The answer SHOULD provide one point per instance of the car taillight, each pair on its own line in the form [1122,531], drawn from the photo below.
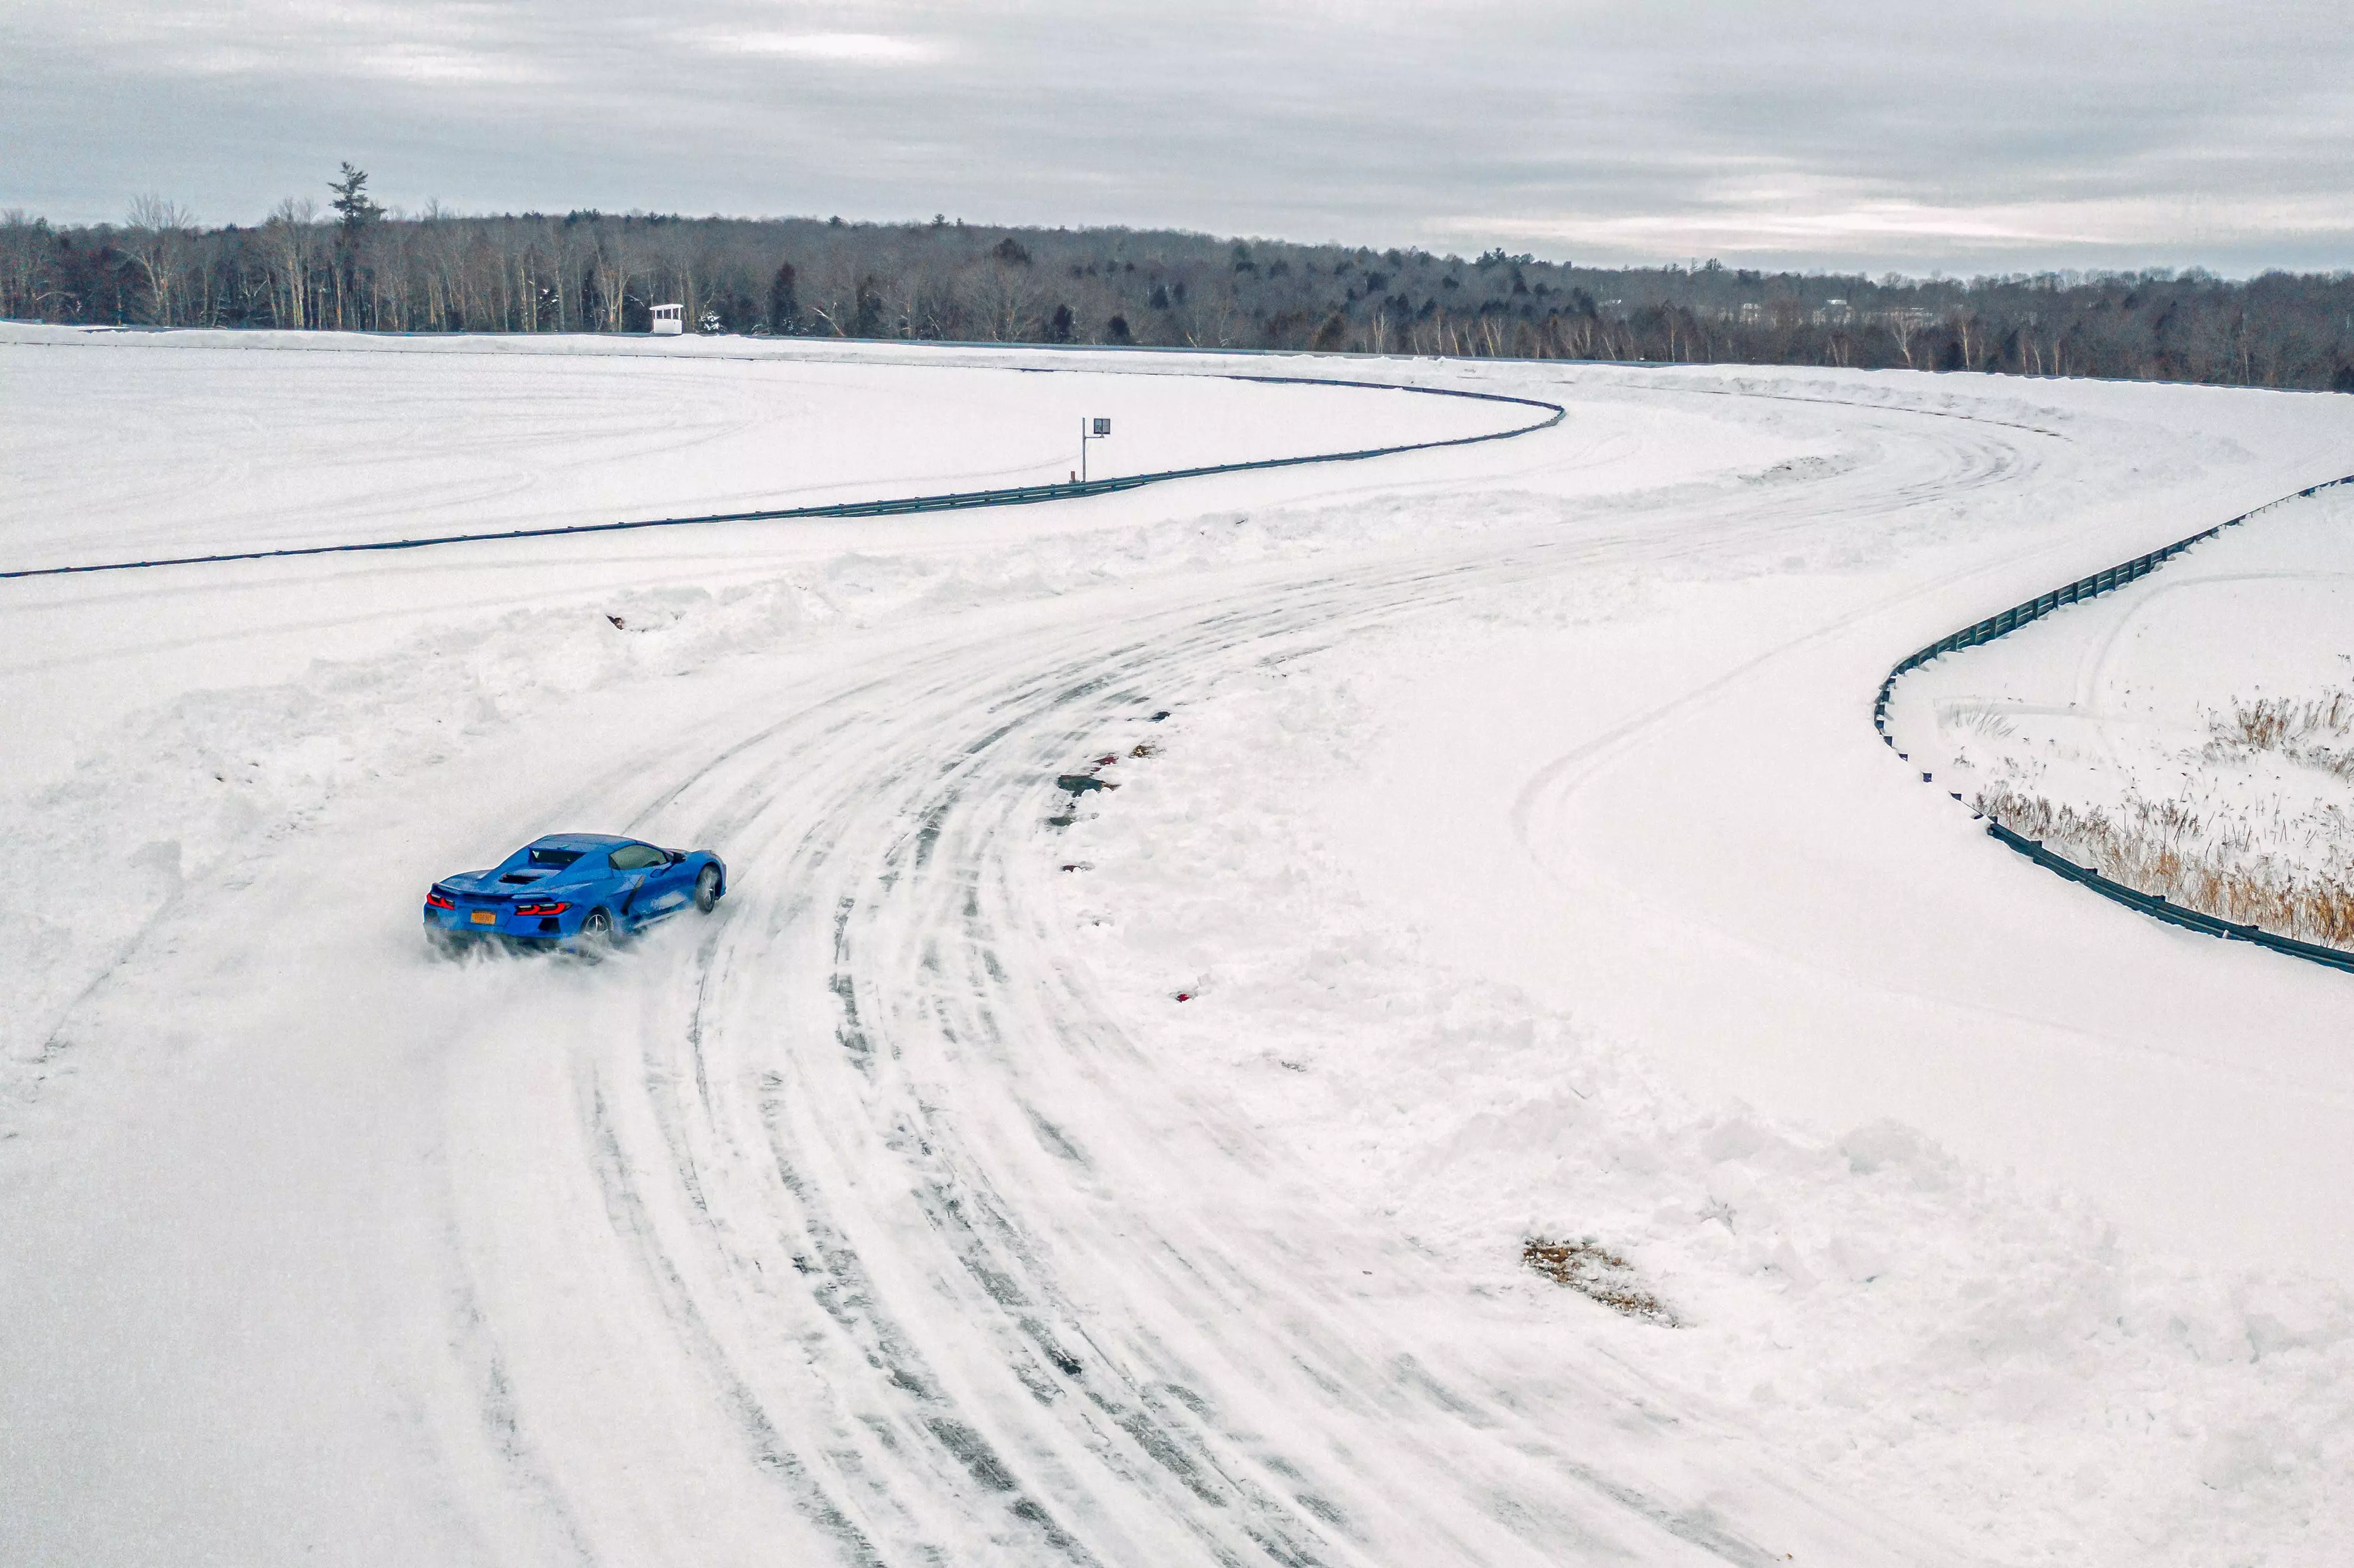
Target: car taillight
[436,899]
[541,908]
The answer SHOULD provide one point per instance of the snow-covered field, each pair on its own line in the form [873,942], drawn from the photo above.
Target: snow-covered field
[1516,835]
[226,441]
[2192,732]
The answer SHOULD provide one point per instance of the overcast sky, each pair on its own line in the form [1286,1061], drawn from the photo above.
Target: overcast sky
[1961,136]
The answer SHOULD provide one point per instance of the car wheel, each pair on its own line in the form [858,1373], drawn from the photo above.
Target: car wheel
[707,888]
[596,929]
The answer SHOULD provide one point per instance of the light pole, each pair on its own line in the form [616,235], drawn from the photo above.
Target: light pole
[1102,429]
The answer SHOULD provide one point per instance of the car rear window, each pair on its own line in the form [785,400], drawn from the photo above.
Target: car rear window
[554,857]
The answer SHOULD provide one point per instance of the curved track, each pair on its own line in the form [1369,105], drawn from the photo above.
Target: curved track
[1039,1302]
[1050,1302]
[959,501]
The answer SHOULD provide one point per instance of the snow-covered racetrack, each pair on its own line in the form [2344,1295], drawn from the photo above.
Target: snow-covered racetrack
[877,1220]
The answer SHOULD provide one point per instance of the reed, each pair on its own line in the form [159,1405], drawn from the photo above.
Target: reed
[2205,863]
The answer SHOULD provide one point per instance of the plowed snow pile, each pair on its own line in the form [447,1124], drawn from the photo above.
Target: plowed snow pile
[1939,1338]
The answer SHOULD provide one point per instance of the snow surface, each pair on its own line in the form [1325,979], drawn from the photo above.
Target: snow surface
[1517,835]
[224,441]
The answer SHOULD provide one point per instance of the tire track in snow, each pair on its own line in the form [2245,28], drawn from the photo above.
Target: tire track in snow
[903,852]
[1100,668]
[626,1205]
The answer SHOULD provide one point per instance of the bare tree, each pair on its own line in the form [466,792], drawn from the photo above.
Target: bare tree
[1963,325]
[1903,326]
[290,246]
[832,298]
[24,246]
[160,238]
[618,260]
[1007,295]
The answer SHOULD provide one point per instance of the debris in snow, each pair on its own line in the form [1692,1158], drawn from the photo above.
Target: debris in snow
[1597,1273]
[618,624]
[1081,783]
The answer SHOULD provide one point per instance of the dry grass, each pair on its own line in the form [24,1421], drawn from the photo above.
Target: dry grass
[2315,732]
[2165,848]
[2260,858]
[1975,719]
[1597,1273]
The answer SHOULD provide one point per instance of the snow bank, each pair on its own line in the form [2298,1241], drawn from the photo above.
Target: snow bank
[1947,1342]
[173,791]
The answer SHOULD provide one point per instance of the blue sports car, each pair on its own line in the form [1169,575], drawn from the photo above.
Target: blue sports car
[571,890]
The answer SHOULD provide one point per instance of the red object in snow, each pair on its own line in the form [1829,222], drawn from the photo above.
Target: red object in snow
[1184,996]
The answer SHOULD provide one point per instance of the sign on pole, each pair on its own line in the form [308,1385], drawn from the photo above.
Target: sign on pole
[1100,428]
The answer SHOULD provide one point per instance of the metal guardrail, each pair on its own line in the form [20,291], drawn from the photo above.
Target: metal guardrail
[2108,580]
[1022,495]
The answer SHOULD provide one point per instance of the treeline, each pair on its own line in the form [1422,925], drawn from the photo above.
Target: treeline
[354,267]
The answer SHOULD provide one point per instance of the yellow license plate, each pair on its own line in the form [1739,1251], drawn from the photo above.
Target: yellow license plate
[485,916]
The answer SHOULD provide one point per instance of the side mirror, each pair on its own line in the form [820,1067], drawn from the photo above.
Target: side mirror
[677,855]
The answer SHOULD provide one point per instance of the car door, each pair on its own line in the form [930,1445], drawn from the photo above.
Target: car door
[635,867]
[668,886]
[656,883]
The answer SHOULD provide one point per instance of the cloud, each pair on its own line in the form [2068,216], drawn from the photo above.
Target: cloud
[431,66]
[847,49]
[1988,134]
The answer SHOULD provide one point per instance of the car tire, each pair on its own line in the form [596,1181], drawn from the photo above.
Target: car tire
[596,930]
[707,888]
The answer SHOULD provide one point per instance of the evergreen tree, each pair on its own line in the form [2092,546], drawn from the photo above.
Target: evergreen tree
[354,213]
[354,210]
